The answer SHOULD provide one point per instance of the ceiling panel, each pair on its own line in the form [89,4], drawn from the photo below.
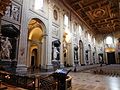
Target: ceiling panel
[102,16]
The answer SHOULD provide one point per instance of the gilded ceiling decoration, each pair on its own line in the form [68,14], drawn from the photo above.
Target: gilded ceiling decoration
[102,16]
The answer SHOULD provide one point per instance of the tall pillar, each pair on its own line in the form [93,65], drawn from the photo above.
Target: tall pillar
[21,64]
[0,36]
[69,54]
[61,39]
[23,42]
[44,53]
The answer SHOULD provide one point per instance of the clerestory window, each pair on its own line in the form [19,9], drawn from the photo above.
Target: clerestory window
[38,4]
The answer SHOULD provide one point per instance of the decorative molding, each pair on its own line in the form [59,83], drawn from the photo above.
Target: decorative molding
[18,1]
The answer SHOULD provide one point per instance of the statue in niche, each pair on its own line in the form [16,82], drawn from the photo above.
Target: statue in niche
[56,50]
[86,56]
[76,55]
[5,48]
[56,53]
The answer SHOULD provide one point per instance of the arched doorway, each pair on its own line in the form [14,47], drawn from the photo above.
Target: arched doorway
[81,53]
[35,42]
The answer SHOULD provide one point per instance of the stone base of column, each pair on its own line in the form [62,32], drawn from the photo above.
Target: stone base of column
[62,65]
[46,67]
[21,69]
[82,64]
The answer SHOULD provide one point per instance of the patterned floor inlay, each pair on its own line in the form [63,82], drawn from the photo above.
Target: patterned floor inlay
[88,81]
[90,86]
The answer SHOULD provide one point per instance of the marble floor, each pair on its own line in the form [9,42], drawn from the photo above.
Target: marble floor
[85,80]
[88,81]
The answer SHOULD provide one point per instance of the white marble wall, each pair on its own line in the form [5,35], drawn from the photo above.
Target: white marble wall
[54,30]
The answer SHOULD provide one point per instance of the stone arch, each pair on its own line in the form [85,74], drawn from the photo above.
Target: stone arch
[36,33]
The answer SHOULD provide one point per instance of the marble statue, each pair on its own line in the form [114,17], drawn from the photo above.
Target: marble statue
[5,48]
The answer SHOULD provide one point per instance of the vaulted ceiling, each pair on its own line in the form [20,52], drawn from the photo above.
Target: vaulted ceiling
[102,16]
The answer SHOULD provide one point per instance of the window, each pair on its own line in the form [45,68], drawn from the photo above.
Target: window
[38,4]
[109,40]
[66,20]
[88,35]
[94,40]
[80,30]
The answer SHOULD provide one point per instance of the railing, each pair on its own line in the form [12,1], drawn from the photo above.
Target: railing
[47,83]
[19,81]
[69,83]
[36,82]
[111,70]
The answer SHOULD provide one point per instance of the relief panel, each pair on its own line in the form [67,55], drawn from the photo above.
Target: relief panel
[13,12]
[55,31]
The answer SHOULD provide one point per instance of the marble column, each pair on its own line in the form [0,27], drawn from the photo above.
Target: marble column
[61,38]
[0,37]
[22,54]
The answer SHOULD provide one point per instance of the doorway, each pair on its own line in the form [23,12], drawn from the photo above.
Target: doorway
[111,57]
[34,58]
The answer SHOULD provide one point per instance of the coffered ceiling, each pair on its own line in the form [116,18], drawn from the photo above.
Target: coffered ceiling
[102,16]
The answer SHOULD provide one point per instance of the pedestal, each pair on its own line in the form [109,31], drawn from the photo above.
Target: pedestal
[21,69]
